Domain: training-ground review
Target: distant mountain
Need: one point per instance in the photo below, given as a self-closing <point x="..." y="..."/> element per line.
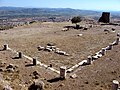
<point x="10" y="8"/>
<point x="47" y="12"/>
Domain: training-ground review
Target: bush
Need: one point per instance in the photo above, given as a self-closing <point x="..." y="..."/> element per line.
<point x="76" y="19"/>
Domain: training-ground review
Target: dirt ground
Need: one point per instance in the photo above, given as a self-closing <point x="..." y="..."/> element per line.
<point x="26" y="39"/>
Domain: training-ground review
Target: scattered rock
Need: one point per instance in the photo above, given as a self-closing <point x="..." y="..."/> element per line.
<point x="8" y="78"/>
<point x="65" y="29"/>
<point x="40" y="48"/>
<point x="16" y="66"/>
<point x="91" y="26"/>
<point x="51" y="44"/>
<point x="86" y="82"/>
<point x="37" y="85"/>
<point x="67" y="54"/>
<point x="35" y="75"/>
<point x="106" y="30"/>
<point x="61" y="85"/>
<point x="73" y="76"/>
<point x="50" y="65"/>
<point x="96" y="83"/>
<point x="1" y="70"/>
<point x="82" y="86"/>
<point x="118" y="34"/>
<point x="47" y="86"/>
<point x="7" y="88"/>
<point x="114" y="72"/>
<point x="2" y="64"/>
<point x="10" y="70"/>
<point x="80" y="35"/>
<point x="113" y="29"/>
<point x="51" y="47"/>
<point x="10" y="66"/>
<point x="85" y="28"/>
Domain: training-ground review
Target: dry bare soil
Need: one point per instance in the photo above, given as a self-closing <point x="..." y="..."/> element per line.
<point x="97" y="76"/>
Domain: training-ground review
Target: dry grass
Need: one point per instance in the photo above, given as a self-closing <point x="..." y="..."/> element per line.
<point x="27" y="38"/>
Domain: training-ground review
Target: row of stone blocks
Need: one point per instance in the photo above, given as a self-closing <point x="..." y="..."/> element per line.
<point x="84" y="62"/>
<point x="39" y="85"/>
<point x="20" y="55"/>
<point x="102" y="51"/>
<point x="99" y="54"/>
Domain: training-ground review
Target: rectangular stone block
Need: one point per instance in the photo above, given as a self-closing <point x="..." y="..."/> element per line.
<point x="62" y="72"/>
<point x="34" y="61"/>
<point x="5" y="46"/>
<point x="115" y="85"/>
<point x="20" y="54"/>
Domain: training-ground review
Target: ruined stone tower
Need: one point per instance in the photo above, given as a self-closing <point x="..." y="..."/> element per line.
<point x="105" y="18"/>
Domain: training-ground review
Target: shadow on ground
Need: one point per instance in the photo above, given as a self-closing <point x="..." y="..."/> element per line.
<point x="55" y="80"/>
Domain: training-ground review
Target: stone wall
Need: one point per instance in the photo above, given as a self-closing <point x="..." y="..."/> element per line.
<point x="105" y="18"/>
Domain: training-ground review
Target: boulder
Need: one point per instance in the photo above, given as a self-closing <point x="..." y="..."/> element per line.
<point x="7" y="88"/>
<point x="73" y="76"/>
<point x="10" y="66"/>
<point x="37" y="85"/>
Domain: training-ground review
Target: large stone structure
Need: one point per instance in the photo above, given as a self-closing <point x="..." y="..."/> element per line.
<point x="105" y="18"/>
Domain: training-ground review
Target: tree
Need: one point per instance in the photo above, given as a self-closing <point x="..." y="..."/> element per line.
<point x="76" y="20"/>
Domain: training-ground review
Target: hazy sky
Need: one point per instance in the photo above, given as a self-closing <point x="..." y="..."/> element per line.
<point x="76" y="4"/>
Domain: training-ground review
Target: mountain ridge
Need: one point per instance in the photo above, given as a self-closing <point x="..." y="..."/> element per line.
<point x="50" y="12"/>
